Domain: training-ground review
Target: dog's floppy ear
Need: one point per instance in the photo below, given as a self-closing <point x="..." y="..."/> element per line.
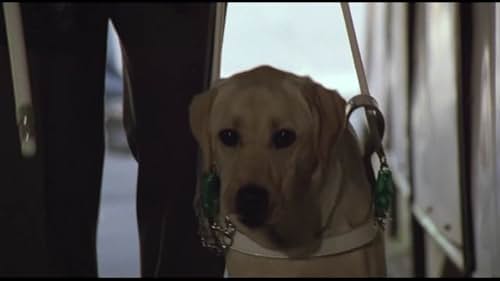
<point x="328" y="109"/>
<point x="199" y="116"/>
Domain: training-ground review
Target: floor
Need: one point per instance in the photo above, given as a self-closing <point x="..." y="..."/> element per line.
<point x="117" y="241"/>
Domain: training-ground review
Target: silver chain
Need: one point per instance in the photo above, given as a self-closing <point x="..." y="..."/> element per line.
<point x="217" y="237"/>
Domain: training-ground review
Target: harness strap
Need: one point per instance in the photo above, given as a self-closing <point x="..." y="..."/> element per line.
<point x="356" y="54"/>
<point x="220" y="20"/>
<point x="373" y="115"/>
<point x="333" y="245"/>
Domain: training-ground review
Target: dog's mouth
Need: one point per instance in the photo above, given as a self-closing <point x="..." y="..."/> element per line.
<point x="273" y="223"/>
<point x="279" y="238"/>
<point x="294" y="247"/>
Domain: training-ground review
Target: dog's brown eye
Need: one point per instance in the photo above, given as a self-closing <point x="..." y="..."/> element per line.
<point x="229" y="137"/>
<point x="283" y="138"/>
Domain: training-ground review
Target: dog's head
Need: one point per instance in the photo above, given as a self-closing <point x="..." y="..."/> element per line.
<point x="269" y="133"/>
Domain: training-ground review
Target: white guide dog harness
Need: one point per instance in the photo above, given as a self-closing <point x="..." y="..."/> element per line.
<point x="331" y="245"/>
<point x="334" y="245"/>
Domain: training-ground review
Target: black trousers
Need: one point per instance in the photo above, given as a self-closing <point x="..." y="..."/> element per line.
<point x="49" y="203"/>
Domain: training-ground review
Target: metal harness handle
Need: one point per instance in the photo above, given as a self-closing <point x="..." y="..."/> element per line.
<point x="374" y="116"/>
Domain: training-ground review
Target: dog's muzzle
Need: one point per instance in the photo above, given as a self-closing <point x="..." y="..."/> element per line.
<point x="252" y="205"/>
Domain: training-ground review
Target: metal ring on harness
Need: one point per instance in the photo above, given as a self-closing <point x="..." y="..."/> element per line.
<point x="374" y="118"/>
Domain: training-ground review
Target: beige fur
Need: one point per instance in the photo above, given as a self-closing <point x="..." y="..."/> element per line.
<point x="322" y="170"/>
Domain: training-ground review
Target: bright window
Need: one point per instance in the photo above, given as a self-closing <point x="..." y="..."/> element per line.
<point x="303" y="38"/>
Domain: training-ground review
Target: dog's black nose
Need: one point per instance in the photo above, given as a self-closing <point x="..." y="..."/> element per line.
<point x="252" y="205"/>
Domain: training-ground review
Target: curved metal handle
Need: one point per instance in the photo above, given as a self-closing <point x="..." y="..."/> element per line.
<point x="374" y="117"/>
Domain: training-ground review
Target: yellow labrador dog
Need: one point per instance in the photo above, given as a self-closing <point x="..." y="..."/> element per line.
<point x="292" y="178"/>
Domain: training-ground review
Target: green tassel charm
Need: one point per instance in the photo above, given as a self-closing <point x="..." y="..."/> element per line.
<point x="214" y="235"/>
<point x="383" y="193"/>
<point x="210" y="195"/>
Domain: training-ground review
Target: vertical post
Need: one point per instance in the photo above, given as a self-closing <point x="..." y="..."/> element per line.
<point x="418" y="234"/>
<point x="465" y="12"/>
<point x="20" y="78"/>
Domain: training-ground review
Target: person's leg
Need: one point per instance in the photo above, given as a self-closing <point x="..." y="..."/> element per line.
<point x="48" y="226"/>
<point x="167" y="53"/>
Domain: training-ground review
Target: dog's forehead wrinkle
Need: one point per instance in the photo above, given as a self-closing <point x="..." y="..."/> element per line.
<point x="236" y="121"/>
